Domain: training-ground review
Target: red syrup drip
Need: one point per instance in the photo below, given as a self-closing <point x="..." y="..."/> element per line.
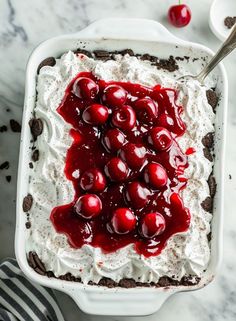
<point x="190" y="151"/>
<point x="87" y="151"/>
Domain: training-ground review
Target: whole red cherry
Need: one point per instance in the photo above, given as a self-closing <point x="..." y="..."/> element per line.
<point x="95" y="114"/>
<point x="137" y="194"/>
<point x="152" y="224"/>
<point x="123" y="221"/>
<point x="160" y="138"/>
<point x="155" y="175"/>
<point x="179" y="15"/>
<point x="113" y="139"/>
<point x="124" y="117"/>
<point x="93" y="180"/>
<point x="116" y="169"/>
<point x="85" y="88"/>
<point x="88" y="206"/>
<point x="146" y="110"/>
<point x="133" y="154"/>
<point x="114" y="96"/>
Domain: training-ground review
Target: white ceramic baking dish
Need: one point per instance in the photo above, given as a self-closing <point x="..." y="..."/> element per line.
<point x="116" y="34"/>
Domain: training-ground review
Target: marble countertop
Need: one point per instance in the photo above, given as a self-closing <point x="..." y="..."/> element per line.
<point x="24" y="24"/>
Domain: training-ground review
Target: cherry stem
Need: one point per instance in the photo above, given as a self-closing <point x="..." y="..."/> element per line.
<point x="179" y="2"/>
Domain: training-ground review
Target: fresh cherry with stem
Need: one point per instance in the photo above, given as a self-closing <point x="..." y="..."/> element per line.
<point x="179" y="15"/>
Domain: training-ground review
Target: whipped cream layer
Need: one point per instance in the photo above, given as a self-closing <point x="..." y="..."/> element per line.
<point x="185" y="253"/>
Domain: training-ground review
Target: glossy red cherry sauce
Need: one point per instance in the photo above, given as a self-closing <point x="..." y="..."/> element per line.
<point x="87" y="151"/>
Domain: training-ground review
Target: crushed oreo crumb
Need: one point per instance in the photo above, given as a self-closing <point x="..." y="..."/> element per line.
<point x="212" y="185"/>
<point x="27" y="203"/>
<point x="127" y="283"/>
<point x="209" y="235"/>
<point x="102" y="54"/>
<point x="8" y="178"/>
<point x="167" y="64"/>
<point x="189" y="280"/>
<point x="36" y="127"/>
<point x="31" y="165"/>
<point x="107" y="282"/>
<point x="212" y="98"/>
<point x="207" y="154"/>
<point x="50" y="61"/>
<point x="5" y="165"/>
<point x="3" y="128"/>
<point x="15" y="126"/>
<point x="35" y="155"/>
<point x="208" y="140"/>
<point x="229" y="22"/>
<point x="126" y="51"/>
<point x="207" y="204"/>
<point x="230" y="176"/>
<point x="83" y="52"/>
<point x="28" y="225"/>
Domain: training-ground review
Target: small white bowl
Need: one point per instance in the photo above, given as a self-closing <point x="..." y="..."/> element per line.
<point x="220" y="9"/>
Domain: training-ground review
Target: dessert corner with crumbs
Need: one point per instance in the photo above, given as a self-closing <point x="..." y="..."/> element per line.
<point x="36" y="126"/>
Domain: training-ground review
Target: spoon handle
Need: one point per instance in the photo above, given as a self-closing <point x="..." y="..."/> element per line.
<point x="226" y="48"/>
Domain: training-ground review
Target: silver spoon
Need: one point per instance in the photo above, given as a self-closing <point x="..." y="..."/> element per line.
<point x="226" y="48"/>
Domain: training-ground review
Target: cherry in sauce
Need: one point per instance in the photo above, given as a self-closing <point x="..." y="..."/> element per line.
<point x="94" y="147"/>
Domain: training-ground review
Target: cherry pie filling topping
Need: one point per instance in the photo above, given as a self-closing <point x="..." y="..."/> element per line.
<point x="129" y="167"/>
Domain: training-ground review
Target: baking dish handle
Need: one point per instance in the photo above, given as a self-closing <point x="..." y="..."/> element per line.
<point x="124" y="28"/>
<point x="107" y="302"/>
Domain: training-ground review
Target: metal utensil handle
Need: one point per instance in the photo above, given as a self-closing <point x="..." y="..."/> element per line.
<point x="226" y="48"/>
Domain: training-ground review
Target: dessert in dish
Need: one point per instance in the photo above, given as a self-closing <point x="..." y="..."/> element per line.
<point x="121" y="189"/>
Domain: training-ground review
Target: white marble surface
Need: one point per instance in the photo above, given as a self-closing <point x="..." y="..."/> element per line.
<point x="25" y="23"/>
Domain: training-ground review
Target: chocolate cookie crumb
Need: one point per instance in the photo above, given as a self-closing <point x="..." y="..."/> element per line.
<point x="229" y="22"/>
<point x="15" y="126"/>
<point x="36" y="127"/>
<point x="27" y="203"/>
<point x="207" y="154"/>
<point x="179" y="58"/>
<point x="50" y="274"/>
<point x="31" y="165"/>
<point x="38" y="262"/>
<point x="50" y="61"/>
<point x="107" y="282"/>
<point x="208" y="140"/>
<point x="189" y="280"/>
<point x="167" y="64"/>
<point x="164" y="281"/>
<point x="28" y="225"/>
<point x="3" y="128"/>
<point x="207" y="204"/>
<point x="35" y="155"/>
<point x="126" y="51"/>
<point x="212" y="185"/>
<point x="209" y="237"/>
<point x="31" y="260"/>
<point x="230" y="176"/>
<point x="83" y="52"/>
<point x="39" y="271"/>
<point x="102" y="54"/>
<point x="8" y="178"/>
<point x="212" y="98"/>
<point x="127" y="283"/>
<point x="5" y="165"/>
